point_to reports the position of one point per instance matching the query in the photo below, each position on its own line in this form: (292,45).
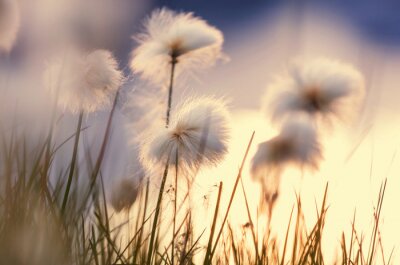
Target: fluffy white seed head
(84,81)
(124,193)
(172,36)
(9,24)
(198,133)
(297,144)
(321,88)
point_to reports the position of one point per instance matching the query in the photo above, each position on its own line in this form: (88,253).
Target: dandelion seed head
(297,144)
(84,82)
(322,88)
(180,37)
(9,24)
(198,133)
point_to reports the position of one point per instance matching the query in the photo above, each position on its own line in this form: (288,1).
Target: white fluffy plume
(198,134)
(297,144)
(9,24)
(172,36)
(322,88)
(84,82)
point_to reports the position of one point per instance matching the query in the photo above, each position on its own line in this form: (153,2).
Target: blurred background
(260,36)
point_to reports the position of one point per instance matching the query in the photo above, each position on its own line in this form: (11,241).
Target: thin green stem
(73,162)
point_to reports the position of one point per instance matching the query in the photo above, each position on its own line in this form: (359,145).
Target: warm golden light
(168,137)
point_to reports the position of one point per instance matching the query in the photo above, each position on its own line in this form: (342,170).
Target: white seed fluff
(175,36)
(84,82)
(198,135)
(321,88)
(297,144)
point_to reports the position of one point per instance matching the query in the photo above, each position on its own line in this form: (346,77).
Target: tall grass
(63,229)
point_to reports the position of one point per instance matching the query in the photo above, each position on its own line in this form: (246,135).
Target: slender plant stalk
(48,152)
(72,164)
(175,206)
(106,137)
(170,89)
(210,241)
(186,239)
(232,196)
(137,248)
(178,229)
(377,214)
(156,214)
(286,238)
(297,232)
(253,234)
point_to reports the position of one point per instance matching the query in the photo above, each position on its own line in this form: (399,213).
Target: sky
(376,19)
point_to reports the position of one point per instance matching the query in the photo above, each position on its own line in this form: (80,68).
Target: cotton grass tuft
(179,38)
(84,81)
(322,88)
(297,144)
(197,135)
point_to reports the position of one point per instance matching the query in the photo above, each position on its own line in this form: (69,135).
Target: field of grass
(71,214)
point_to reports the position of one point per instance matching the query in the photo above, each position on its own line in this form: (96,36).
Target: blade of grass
(72,164)
(286,238)
(210,241)
(102,152)
(232,196)
(253,234)
(377,215)
(155,220)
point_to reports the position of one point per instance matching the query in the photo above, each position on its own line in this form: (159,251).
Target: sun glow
(354,174)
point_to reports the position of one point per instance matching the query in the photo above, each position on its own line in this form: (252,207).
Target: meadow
(63,202)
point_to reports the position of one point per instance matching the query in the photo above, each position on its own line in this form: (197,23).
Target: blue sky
(378,20)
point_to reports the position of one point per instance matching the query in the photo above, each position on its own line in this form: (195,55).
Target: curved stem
(170,90)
